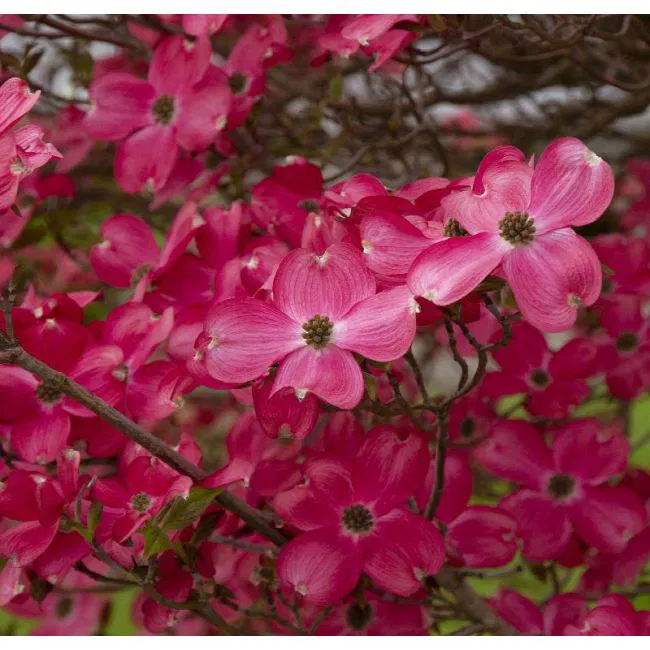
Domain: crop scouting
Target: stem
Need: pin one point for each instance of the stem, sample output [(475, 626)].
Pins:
[(472, 604), (12, 353), (441, 455)]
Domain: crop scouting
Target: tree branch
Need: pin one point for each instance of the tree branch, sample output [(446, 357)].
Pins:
[(12, 353)]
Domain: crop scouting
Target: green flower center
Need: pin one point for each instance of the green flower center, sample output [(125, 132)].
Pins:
[(454, 229), (357, 519), (561, 486), (517, 228), (317, 331), (163, 109)]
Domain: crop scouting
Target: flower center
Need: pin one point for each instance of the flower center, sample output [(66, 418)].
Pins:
[(540, 378), (141, 502), (317, 331), (237, 83), (358, 616), (561, 486), (64, 607), (517, 228), (357, 519), (311, 205), (454, 229), (627, 342), (47, 394), (163, 109), (467, 428)]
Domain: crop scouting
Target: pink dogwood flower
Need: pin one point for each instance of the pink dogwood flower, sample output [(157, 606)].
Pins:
[(324, 308), (519, 220), (182, 103), (553, 382), (354, 520), (564, 486)]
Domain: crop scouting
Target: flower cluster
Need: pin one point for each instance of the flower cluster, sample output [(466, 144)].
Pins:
[(313, 405)]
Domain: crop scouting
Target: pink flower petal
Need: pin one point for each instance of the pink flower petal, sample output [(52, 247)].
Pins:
[(587, 450), (16, 100), (608, 517), (521, 612), (391, 243), (331, 374), (322, 566), (284, 415), (301, 508), (179, 64), (542, 525), (450, 269), (242, 337), (203, 116), (571, 186), (128, 245), (501, 184), (9, 582), (122, 104), (42, 438), (381, 327), (25, 542), (330, 284), (562, 611), (146, 159), (516, 452), (551, 277), (484, 536), (388, 469), (403, 551)]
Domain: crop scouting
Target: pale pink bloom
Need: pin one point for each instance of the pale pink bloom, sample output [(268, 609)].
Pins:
[(519, 220), (16, 100), (324, 308)]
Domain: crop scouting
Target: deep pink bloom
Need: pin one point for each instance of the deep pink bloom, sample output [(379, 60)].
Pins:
[(519, 220), (624, 345), (285, 415), (353, 515), (564, 486), (373, 617), (324, 308), (141, 489), (483, 536), (554, 382)]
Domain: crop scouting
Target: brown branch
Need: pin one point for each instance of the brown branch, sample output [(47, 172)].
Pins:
[(472, 604), (12, 353)]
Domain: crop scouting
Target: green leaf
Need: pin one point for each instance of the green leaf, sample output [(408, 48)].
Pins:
[(94, 515), (185, 511), (336, 88), (155, 540)]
